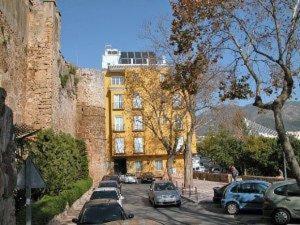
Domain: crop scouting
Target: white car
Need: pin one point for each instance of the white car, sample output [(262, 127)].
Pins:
[(107, 193), (129, 178), (200, 169)]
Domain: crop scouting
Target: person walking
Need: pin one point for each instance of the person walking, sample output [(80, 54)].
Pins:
[(234, 172)]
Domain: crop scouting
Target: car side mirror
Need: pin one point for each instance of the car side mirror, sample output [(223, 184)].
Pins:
[(75, 220), (130, 215)]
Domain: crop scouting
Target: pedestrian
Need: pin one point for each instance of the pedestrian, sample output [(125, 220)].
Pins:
[(234, 172)]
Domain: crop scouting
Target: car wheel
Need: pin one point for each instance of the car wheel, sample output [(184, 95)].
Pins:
[(281, 217), (232, 208), (178, 204)]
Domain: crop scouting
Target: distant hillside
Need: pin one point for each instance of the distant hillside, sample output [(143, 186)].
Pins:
[(226, 116), (291, 116)]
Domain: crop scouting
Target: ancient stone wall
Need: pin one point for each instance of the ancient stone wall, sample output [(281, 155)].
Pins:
[(31, 66), (91, 120)]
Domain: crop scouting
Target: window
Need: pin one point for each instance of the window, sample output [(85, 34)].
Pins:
[(158, 164), (281, 190), (246, 188), (259, 188), (138, 166), (235, 189), (293, 190), (137, 101), (180, 143), (137, 123), (178, 123), (117, 80), (118, 101), (177, 100), (119, 123), (119, 145), (138, 145), (164, 119), (162, 77)]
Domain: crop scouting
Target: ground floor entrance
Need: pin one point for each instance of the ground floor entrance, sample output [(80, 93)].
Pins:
[(120, 166)]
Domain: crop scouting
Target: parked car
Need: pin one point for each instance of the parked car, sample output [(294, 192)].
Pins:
[(99, 211), (282, 202), (199, 169), (135, 222), (107, 192), (244, 195), (218, 193), (111, 177), (109, 183), (147, 177), (164, 193), (129, 178)]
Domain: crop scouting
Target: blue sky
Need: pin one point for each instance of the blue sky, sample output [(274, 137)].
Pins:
[(87, 25)]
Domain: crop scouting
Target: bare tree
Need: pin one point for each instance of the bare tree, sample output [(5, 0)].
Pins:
[(256, 42), (196, 80), (161, 111)]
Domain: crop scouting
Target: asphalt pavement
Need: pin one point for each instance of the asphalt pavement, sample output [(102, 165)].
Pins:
[(136, 201)]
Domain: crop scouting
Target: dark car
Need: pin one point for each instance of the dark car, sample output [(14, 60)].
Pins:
[(111, 177), (109, 183), (218, 193), (100, 211), (147, 177)]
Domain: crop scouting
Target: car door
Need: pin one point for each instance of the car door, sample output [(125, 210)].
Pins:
[(292, 200), (258, 190), (246, 195)]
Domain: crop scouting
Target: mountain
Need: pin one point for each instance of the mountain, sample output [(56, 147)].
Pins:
[(228, 116), (291, 116)]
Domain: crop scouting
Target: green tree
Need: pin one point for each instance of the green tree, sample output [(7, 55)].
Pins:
[(61, 159), (223, 149)]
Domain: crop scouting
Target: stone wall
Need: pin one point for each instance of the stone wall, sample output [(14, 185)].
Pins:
[(91, 120), (31, 66)]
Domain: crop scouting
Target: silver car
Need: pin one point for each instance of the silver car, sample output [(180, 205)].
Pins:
[(164, 193)]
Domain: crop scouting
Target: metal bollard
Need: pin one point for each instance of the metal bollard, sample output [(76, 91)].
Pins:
[(196, 193), (190, 191), (182, 189)]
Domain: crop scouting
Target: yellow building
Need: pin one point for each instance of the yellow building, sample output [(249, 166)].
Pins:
[(132, 145)]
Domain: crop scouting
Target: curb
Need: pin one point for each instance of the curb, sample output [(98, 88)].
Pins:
[(189, 199)]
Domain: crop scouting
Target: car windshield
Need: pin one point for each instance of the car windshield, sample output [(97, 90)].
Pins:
[(148, 174), (104, 194), (130, 174), (108, 184), (102, 214), (164, 186)]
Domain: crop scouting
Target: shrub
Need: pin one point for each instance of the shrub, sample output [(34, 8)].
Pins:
[(72, 69), (64, 79), (49, 206), (61, 159)]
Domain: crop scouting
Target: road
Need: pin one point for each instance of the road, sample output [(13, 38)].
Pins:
[(136, 201)]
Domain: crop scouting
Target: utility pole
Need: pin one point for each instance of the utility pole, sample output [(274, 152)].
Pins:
[(28, 190), (284, 166)]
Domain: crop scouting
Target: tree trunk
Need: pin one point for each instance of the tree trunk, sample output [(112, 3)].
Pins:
[(188, 167), (170, 162), (285, 143)]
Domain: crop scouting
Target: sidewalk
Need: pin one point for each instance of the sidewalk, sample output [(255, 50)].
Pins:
[(202, 191)]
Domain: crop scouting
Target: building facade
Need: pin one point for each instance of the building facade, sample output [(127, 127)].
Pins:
[(132, 145)]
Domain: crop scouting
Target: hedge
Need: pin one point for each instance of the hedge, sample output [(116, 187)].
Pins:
[(61, 159), (49, 206)]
